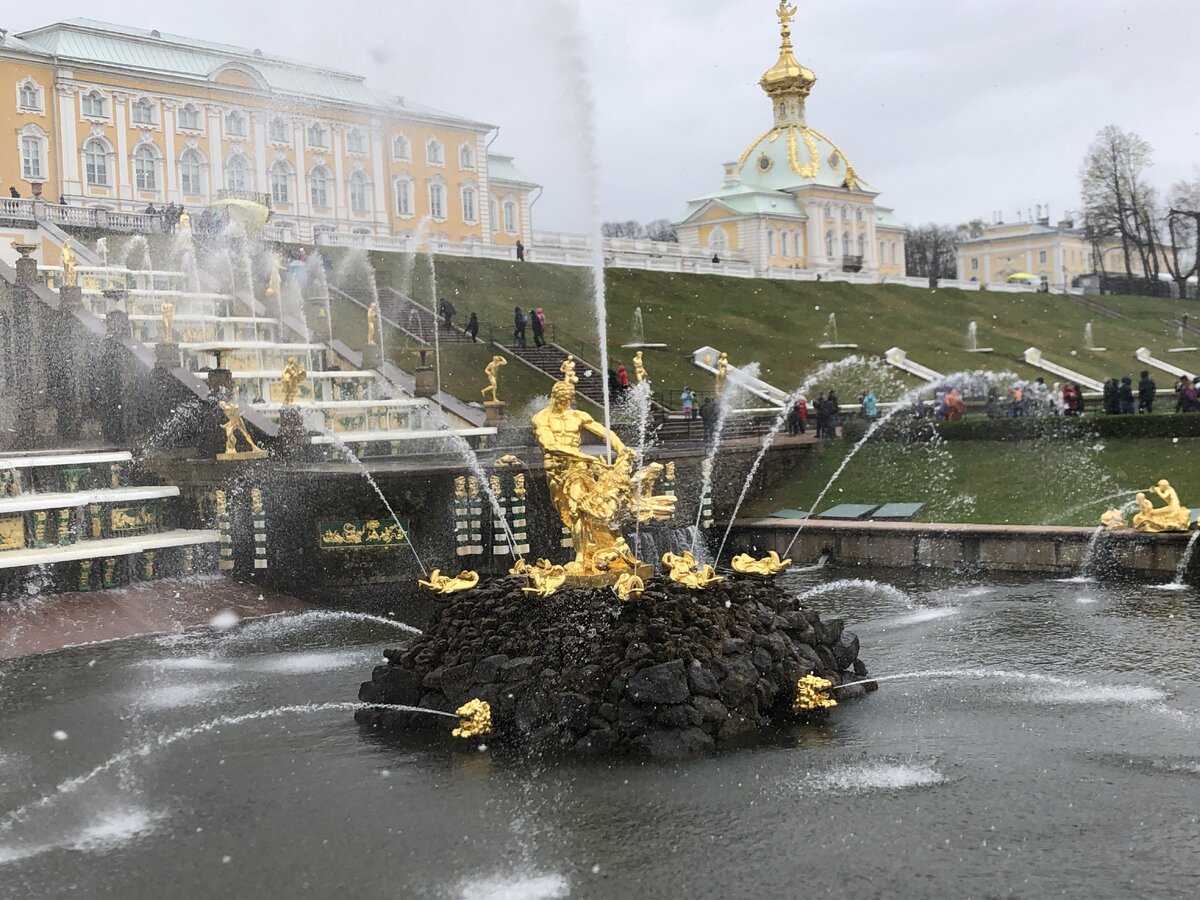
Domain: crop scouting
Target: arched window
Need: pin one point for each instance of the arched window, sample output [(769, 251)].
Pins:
[(191, 173), (858, 214), (845, 243), (796, 244), (829, 244), (189, 118), (403, 187), (235, 124), (401, 148), (278, 130), (142, 112), (95, 162), (29, 96), (466, 157), (281, 183), (317, 135), (783, 244), (94, 105), (862, 246), (360, 192), (718, 241), (893, 253), (237, 173), (470, 205), (845, 212), (510, 215), (33, 153), (318, 186), (355, 142), (437, 199), (829, 210), (770, 243), (882, 253), (145, 167), (434, 154)]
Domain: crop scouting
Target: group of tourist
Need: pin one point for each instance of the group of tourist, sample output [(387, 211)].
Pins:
[(171, 214), (1187, 395), (827, 412), (1120, 400), (1035, 398), (534, 320)]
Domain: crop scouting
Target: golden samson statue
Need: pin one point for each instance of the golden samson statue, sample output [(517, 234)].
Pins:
[(595, 497)]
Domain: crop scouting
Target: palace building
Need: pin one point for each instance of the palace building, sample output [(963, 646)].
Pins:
[(793, 200), (107, 116)]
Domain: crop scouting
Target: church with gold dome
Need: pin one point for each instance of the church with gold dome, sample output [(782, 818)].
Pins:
[(794, 200)]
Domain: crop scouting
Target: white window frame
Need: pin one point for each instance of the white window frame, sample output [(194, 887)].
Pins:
[(437, 200), (284, 137), (139, 171), (770, 243), (356, 142), (974, 263), (94, 96), (512, 221), (142, 103), (239, 163), (783, 244), (190, 157), (359, 191), (33, 137), (319, 175), (402, 186), (241, 118), (316, 128), (435, 152), (105, 154), (466, 158), (845, 244), (194, 110), (829, 244), (407, 155), (862, 246), (280, 174), (25, 87), (468, 196), (492, 214)]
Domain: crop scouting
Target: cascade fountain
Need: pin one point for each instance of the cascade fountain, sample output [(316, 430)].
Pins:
[(829, 340), (1089, 340), (973, 339), (637, 334)]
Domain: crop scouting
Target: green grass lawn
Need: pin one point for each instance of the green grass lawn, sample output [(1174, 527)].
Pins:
[(780, 323), (1025, 483)]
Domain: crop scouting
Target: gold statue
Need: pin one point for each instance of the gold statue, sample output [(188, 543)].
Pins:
[(593, 496), (770, 564), (444, 584), (235, 425), (568, 371), (491, 371), (812, 693), (786, 13), (273, 280), (639, 369), (629, 586), (1114, 519), (293, 374), (474, 719), (684, 569), (168, 322), (69, 263), (372, 313), (185, 221), (1172, 517), (722, 372), (544, 578)]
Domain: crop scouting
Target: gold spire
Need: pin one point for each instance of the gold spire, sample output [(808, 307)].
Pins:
[(787, 77)]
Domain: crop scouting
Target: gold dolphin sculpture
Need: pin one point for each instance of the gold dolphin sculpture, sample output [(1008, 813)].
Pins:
[(474, 719), (444, 584), (770, 564), (683, 569), (812, 692)]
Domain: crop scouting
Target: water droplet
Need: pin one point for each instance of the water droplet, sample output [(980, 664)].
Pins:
[(60, 735)]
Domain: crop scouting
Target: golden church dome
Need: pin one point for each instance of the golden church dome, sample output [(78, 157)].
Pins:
[(787, 77)]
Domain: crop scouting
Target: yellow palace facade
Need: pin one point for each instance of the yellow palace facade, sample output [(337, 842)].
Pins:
[(107, 116), (793, 200)]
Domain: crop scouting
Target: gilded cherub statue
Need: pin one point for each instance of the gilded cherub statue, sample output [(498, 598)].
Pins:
[(568, 371), (168, 322), (69, 265), (770, 564), (1172, 517), (683, 569), (492, 370), (372, 315), (235, 425), (438, 583), (293, 375), (639, 368)]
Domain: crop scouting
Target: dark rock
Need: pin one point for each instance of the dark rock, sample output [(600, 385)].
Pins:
[(638, 650), (860, 668), (676, 716), (671, 742), (457, 682), (664, 683), (701, 681), (828, 663), (488, 668), (762, 659), (517, 669), (598, 740), (608, 712), (733, 645), (711, 711), (829, 632), (845, 651), (735, 726), (808, 655), (573, 710)]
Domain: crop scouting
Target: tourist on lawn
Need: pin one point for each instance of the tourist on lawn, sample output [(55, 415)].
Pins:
[(1078, 399), (1069, 400), (537, 320), (1058, 402), (520, 321), (1146, 391), (1112, 400), (956, 407), (473, 328), (1017, 400), (688, 400), (1127, 400), (1191, 396), (835, 414), (870, 405), (1180, 387), (798, 421)]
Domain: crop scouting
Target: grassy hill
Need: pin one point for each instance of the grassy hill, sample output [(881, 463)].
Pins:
[(780, 323)]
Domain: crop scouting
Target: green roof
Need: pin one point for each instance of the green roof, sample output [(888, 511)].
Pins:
[(501, 168)]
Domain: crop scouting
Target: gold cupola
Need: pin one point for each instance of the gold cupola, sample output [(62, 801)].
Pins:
[(787, 83)]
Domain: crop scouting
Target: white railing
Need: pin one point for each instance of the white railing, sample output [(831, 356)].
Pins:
[(22, 210), (80, 216)]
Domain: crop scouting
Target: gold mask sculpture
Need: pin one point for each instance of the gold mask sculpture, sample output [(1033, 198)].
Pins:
[(683, 569), (1172, 517), (293, 375), (492, 370), (812, 693), (444, 584), (629, 586), (594, 497), (474, 719), (770, 564)]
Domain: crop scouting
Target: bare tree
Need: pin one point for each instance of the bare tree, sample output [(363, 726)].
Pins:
[(662, 230), (630, 230), (1182, 256), (1118, 201), (929, 252)]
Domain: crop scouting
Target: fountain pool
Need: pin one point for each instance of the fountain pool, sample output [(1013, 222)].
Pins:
[(1043, 752)]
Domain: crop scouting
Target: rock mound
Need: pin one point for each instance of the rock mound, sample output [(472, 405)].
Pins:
[(672, 673)]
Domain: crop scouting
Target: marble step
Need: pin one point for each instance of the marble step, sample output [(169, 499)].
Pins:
[(104, 547)]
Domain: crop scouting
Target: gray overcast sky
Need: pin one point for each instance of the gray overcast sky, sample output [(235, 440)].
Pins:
[(952, 109)]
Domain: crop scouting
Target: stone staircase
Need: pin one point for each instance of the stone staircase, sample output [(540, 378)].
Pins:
[(74, 511), (404, 313)]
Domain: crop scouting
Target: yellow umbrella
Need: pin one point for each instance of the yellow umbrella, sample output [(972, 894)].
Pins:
[(249, 213), (1021, 276)]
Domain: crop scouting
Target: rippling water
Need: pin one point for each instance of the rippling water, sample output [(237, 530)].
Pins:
[(1050, 748)]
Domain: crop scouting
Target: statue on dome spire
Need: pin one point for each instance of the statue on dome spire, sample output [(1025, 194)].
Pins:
[(786, 13)]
